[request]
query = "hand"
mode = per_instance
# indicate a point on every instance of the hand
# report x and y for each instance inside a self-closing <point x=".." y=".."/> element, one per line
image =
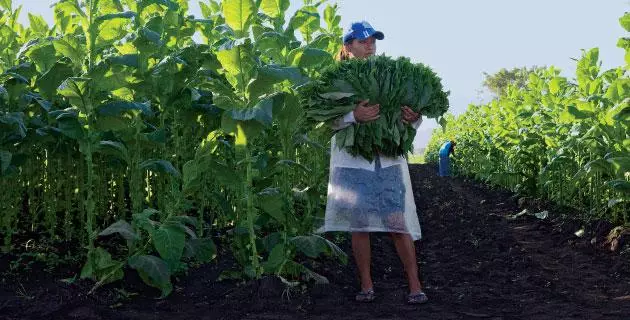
<point x="365" y="112"/>
<point x="408" y="116"/>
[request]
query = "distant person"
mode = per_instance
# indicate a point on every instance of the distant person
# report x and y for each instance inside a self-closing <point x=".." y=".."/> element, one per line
<point x="447" y="149"/>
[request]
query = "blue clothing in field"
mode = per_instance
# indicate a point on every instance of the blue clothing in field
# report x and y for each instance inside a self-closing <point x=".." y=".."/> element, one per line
<point x="444" y="164"/>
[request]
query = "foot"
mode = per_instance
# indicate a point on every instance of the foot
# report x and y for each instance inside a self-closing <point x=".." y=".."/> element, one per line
<point x="365" y="296"/>
<point x="417" y="298"/>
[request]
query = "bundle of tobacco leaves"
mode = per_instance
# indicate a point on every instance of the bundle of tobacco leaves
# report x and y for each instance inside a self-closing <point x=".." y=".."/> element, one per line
<point x="392" y="83"/>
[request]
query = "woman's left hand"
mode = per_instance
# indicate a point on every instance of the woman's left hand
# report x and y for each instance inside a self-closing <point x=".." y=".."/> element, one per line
<point x="408" y="116"/>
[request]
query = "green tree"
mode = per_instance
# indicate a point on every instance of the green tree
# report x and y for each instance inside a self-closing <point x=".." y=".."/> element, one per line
<point x="498" y="83"/>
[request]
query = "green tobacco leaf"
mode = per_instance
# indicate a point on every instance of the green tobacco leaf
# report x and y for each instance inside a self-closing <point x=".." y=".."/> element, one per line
<point x="123" y="228"/>
<point x="203" y="250"/>
<point x="579" y="114"/>
<point x="160" y="166"/>
<point x="269" y="75"/>
<point x="51" y="80"/>
<point x="74" y="87"/>
<point x="153" y="271"/>
<point x="114" y="148"/>
<point x="620" y="185"/>
<point x="312" y="246"/>
<point x="117" y="108"/>
<point x="622" y="164"/>
<point x="270" y="201"/>
<point x="238" y="62"/>
<point x="275" y="8"/>
<point x="118" y="15"/>
<point x="303" y="19"/>
<point x="43" y="55"/>
<point x="101" y="267"/>
<point x="71" y="48"/>
<point x="169" y="241"/>
<point x="6" y="4"/>
<point x="38" y="24"/>
<point x="276" y="258"/>
<point x="238" y="14"/>
<point x="130" y="60"/>
<point x="68" y="124"/>
<point x="312" y="57"/>
<point x="261" y="112"/>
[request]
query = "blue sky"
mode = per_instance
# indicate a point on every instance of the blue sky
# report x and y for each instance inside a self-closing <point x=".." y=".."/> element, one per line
<point x="461" y="39"/>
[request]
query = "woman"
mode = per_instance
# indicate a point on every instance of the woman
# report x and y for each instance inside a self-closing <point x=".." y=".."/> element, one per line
<point x="376" y="196"/>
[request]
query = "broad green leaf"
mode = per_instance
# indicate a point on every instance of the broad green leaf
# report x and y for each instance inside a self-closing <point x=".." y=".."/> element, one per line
<point x="579" y="114"/>
<point x="238" y="14"/>
<point x="143" y="219"/>
<point x="620" y="112"/>
<point x="312" y="246"/>
<point x="238" y="62"/>
<point x="68" y="124"/>
<point x="43" y="55"/>
<point x="622" y="186"/>
<point x="118" y="108"/>
<point x="52" y="79"/>
<point x="130" y="60"/>
<point x="6" y="4"/>
<point x="275" y="259"/>
<point x="202" y="250"/>
<point x="271" y="202"/>
<point x="111" y="30"/>
<point x="310" y="58"/>
<point x="269" y="75"/>
<point x="622" y="164"/>
<point x="153" y="271"/>
<point x="101" y="267"/>
<point x="74" y="87"/>
<point x="160" y="166"/>
<point x="38" y="24"/>
<point x="275" y="8"/>
<point x="71" y="48"/>
<point x="123" y="228"/>
<point x="148" y="40"/>
<point x="114" y="148"/>
<point x="169" y="241"/>
<point x="261" y="112"/>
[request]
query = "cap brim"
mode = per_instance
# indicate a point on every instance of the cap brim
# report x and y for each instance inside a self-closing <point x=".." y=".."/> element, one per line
<point x="376" y="34"/>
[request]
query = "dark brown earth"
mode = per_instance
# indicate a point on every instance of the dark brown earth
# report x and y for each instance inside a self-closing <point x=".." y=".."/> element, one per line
<point x="475" y="263"/>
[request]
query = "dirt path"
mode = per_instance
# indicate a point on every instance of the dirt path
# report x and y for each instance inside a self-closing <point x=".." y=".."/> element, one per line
<point x="474" y="262"/>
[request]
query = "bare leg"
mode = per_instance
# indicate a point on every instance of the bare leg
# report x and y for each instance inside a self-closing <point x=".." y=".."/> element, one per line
<point x="407" y="253"/>
<point x="362" y="255"/>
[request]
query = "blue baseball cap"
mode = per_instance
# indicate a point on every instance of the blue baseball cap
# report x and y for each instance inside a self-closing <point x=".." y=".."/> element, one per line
<point x="361" y="30"/>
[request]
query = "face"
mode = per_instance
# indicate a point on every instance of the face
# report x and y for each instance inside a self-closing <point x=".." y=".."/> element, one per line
<point x="362" y="48"/>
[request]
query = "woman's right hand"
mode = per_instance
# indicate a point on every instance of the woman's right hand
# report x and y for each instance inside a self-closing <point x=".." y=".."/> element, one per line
<point x="365" y="112"/>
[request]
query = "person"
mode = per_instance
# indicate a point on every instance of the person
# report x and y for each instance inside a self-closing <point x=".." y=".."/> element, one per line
<point x="444" y="165"/>
<point x="372" y="196"/>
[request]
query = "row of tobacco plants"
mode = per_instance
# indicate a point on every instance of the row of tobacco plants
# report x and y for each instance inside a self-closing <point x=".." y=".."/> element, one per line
<point x="567" y="140"/>
<point x="140" y="135"/>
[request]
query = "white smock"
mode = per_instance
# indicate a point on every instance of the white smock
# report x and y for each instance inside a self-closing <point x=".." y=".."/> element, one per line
<point x="366" y="196"/>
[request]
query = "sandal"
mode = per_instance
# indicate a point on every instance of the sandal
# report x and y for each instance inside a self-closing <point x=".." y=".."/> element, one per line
<point x="417" y="298"/>
<point x="365" y="296"/>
